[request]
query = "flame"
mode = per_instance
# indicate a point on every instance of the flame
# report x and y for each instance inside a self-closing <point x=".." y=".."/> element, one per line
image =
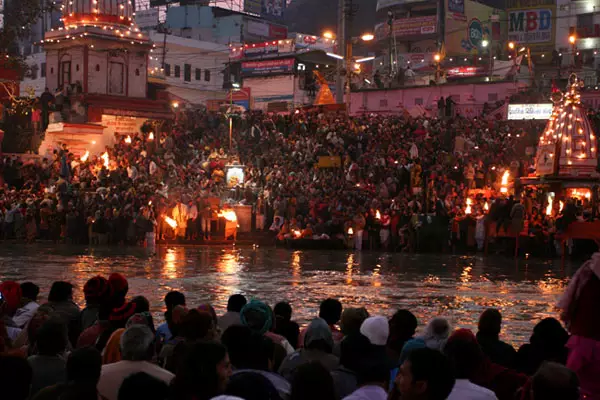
<point x="504" y="182"/>
<point x="172" y="223"/>
<point x="297" y="233"/>
<point x="581" y="194"/>
<point x="105" y="158"/>
<point x="229" y="215"/>
<point x="549" y="206"/>
<point x="128" y="139"/>
<point x="378" y="215"/>
<point x="350" y="231"/>
<point x="468" y="209"/>
<point x="85" y="156"/>
<point x="151" y="136"/>
<point x="486" y="206"/>
<point x="560" y="206"/>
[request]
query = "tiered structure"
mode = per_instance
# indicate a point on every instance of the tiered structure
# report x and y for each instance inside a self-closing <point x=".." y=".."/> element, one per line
<point x="568" y="145"/>
<point x="102" y="57"/>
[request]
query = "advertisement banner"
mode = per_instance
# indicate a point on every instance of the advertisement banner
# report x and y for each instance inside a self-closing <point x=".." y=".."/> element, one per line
<point x="314" y="42"/>
<point x="465" y="32"/>
<point x="147" y="18"/>
<point x="261" y="49"/>
<point x="278" y="32"/>
<point x="268" y="67"/>
<point x="531" y="26"/>
<point x="273" y="8"/>
<point x="257" y="28"/>
<point x="253" y="6"/>
<point x="405" y="27"/>
<point x="529" y="111"/>
<point x="456" y="6"/>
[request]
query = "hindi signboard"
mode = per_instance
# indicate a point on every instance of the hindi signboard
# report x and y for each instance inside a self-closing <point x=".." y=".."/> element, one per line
<point x="268" y="67"/>
<point x="529" y="111"/>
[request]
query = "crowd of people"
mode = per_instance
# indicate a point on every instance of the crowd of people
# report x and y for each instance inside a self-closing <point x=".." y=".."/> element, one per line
<point x="389" y="175"/>
<point x="112" y="349"/>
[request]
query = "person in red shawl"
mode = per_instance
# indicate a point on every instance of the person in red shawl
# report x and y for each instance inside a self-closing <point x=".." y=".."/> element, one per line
<point x="579" y="307"/>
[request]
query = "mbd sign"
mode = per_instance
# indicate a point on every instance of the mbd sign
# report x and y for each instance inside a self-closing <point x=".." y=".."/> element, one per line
<point x="530" y="26"/>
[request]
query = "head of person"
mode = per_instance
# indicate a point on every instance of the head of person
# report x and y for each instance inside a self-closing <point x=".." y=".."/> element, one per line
<point x="283" y="311"/>
<point x="173" y="299"/>
<point x="120" y="287"/>
<point x="331" y="311"/>
<point x="143" y="386"/>
<point x="141" y="304"/>
<point x="403" y="326"/>
<point x="437" y="333"/>
<point x="554" y="381"/>
<point x="97" y="291"/>
<point x="250" y="385"/>
<point x="84" y="366"/>
<point x="60" y="291"/>
<point x="464" y="353"/>
<point x="120" y="315"/>
<point x="12" y="294"/>
<point x="210" y="310"/>
<point x="236" y="302"/>
<point x="312" y="381"/>
<point x="318" y="336"/>
<point x="197" y="325"/>
<point x="247" y="349"/>
<point x="352" y="319"/>
<point x="257" y="316"/>
<point x="30" y="291"/>
<point x="490" y="323"/>
<point x="426" y="374"/>
<point x="51" y="338"/>
<point x="409" y="346"/>
<point x="549" y="334"/>
<point x="353" y="350"/>
<point x="174" y="319"/>
<point x="203" y="373"/>
<point x="15" y="377"/>
<point x="137" y="343"/>
<point x="376" y="329"/>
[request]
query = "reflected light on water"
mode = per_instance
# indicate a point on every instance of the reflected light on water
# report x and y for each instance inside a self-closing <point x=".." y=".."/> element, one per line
<point x="349" y="266"/>
<point x="169" y="268"/>
<point x="377" y="276"/>
<point x="296" y="268"/>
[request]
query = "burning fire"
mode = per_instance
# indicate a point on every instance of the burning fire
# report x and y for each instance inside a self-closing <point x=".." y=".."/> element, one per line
<point x="128" y="139"/>
<point x="504" y="182"/>
<point x="229" y="215"/>
<point x="85" y="157"/>
<point x="560" y="206"/>
<point x="297" y="233"/>
<point x="106" y="159"/>
<point x="468" y="209"/>
<point x="486" y="206"/>
<point x="378" y="215"/>
<point x="549" y="206"/>
<point x="350" y="231"/>
<point x="151" y="136"/>
<point x="172" y="223"/>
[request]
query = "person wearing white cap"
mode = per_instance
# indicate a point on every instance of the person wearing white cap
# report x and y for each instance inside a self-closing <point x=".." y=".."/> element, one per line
<point x="376" y="329"/>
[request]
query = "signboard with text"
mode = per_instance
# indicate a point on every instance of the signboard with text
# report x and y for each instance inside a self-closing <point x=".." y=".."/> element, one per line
<point x="529" y="111"/>
<point x="381" y="4"/>
<point x="530" y="26"/>
<point x="273" y="8"/>
<point x="268" y="67"/>
<point x="405" y="27"/>
<point x="147" y="18"/>
<point x="253" y="6"/>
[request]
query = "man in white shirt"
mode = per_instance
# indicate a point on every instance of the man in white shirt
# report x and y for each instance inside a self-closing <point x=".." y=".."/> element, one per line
<point x="465" y="390"/>
<point x="137" y="348"/>
<point x="29" y="304"/>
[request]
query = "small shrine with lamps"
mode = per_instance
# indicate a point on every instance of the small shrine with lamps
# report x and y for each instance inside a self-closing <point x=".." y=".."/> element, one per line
<point x="98" y="61"/>
<point x="567" y="156"/>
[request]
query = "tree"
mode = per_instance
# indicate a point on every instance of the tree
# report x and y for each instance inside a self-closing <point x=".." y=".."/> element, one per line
<point x="19" y="17"/>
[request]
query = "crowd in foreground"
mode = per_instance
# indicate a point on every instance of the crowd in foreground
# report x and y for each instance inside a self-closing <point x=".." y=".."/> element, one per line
<point x="404" y="167"/>
<point x="113" y="350"/>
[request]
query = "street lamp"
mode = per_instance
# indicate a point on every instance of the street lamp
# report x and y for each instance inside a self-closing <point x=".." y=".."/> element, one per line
<point x="485" y="43"/>
<point x="572" y="39"/>
<point x="511" y="45"/>
<point x="367" y="37"/>
<point x="328" y="35"/>
<point x="437" y="58"/>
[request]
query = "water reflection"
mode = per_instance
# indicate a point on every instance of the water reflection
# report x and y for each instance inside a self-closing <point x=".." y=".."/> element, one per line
<point x="458" y="288"/>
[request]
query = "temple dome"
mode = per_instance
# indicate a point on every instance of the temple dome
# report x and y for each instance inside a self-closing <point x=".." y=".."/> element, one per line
<point x="98" y="12"/>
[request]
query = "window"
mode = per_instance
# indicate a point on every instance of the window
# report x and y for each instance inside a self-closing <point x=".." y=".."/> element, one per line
<point x="97" y="67"/>
<point x="167" y="69"/>
<point x="418" y="101"/>
<point x="43" y="70"/>
<point x="492" y="96"/>
<point x="137" y="72"/>
<point x="177" y="71"/>
<point x="116" y="78"/>
<point x="198" y="74"/>
<point x="207" y="75"/>
<point x="187" y="72"/>
<point x="64" y="77"/>
<point x="34" y="71"/>
<point x="585" y="24"/>
<point x="383" y="103"/>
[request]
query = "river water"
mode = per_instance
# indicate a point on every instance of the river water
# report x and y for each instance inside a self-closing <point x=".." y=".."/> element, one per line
<point x="455" y="287"/>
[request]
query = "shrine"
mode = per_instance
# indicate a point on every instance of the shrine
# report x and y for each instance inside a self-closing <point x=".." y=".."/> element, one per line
<point x="96" y="68"/>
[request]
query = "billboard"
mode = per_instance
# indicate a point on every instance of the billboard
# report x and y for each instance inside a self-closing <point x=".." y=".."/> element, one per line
<point x="529" y="111"/>
<point x="465" y="32"/>
<point x="147" y="18"/>
<point x="268" y="67"/>
<point x="273" y="8"/>
<point x="531" y="26"/>
<point x="253" y="6"/>
<point x="456" y="6"/>
<point x="381" y="4"/>
<point x="406" y="27"/>
<point x="314" y="42"/>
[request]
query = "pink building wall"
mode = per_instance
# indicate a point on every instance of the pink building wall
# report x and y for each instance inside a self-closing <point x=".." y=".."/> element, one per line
<point x="469" y="98"/>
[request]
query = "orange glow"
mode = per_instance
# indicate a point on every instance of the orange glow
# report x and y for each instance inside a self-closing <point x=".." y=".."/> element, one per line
<point x="580" y="194"/>
<point x="486" y="206"/>
<point x="504" y="183"/>
<point x="560" y="206"/>
<point x="549" y="207"/>
<point x="172" y="223"/>
<point x="151" y="136"/>
<point x="468" y="209"/>
<point x="377" y="214"/>
<point x="85" y="157"/>
<point x="350" y="231"/>
<point x="128" y="140"/>
<point x="229" y="215"/>
<point x="106" y="159"/>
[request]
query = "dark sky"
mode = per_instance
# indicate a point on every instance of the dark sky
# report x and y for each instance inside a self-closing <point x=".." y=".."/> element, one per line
<point x="316" y="16"/>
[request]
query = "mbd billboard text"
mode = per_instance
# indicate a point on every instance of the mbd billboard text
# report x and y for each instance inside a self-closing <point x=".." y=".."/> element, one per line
<point x="530" y="26"/>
